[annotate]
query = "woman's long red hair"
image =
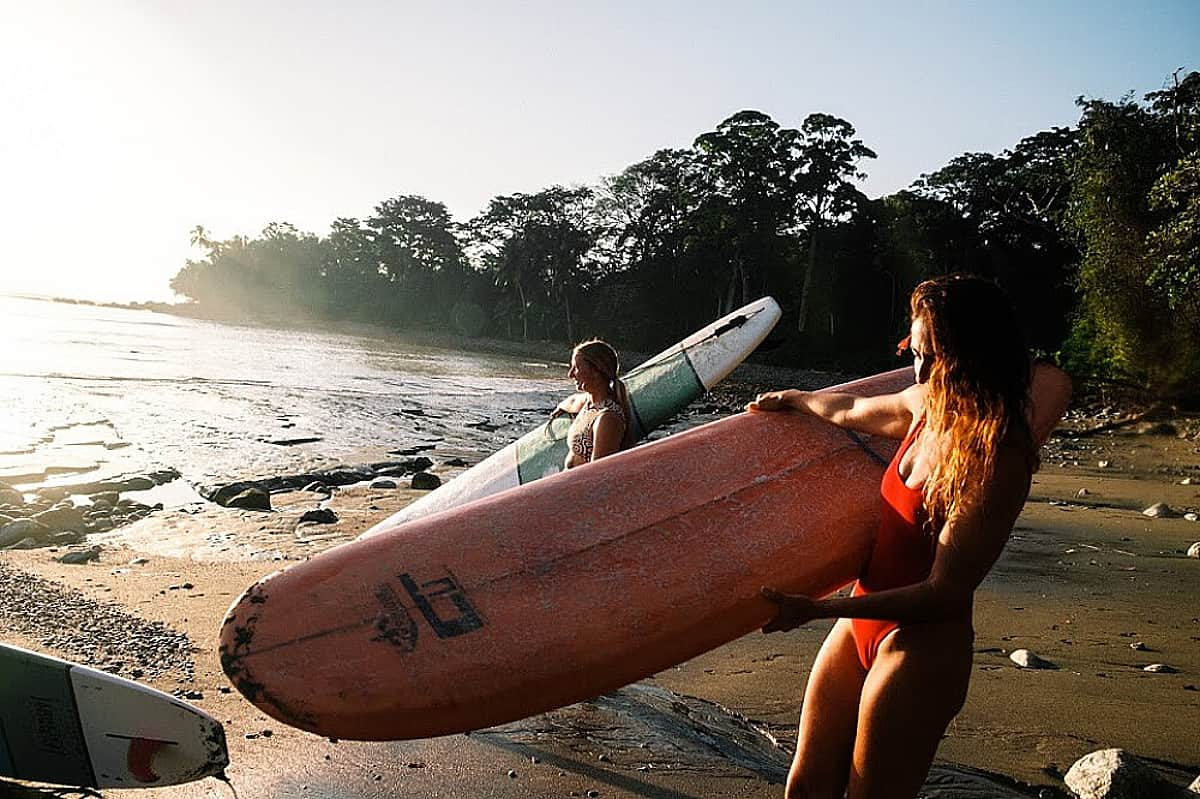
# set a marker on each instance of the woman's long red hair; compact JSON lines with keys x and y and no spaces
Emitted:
{"x":978,"y":388}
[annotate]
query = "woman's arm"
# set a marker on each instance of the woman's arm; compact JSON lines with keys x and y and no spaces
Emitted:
{"x":607,"y":432}
{"x":967,"y":547}
{"x":572,"y":404}
{"x":889,"y":415}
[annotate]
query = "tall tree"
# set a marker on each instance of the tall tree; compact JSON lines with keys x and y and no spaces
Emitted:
{"x":1126,"y":324}
{"x":827,"y":166}
{"x":749,"y":160}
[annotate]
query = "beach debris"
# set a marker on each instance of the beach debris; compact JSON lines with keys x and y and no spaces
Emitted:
{"x":320,"y":516}
{"x":1138,"y":646}
{"x":1187,"y":481}
{"x":1195,"y":786}
{"x":251,"y":499}
{"x":424,"y":481}
{"x":383,"y":484}
{"x":1028,"y":660}
{"x":1116,"y":774}
{"x":1104,"y":464}
{"x":80,"y":556}
{"x":1160,"y":668}
{"x":1159,"y":510}
{"x":1191,"y":516}
{"x":1194,"y":550}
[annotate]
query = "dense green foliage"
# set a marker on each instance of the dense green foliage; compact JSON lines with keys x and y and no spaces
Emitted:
{"x":1093,"y":230}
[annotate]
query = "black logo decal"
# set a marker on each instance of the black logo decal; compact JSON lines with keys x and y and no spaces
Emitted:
{"x":395,"y":625}
{"x":429,"y":597}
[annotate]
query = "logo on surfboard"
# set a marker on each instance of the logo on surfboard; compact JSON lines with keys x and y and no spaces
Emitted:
{"x":442,"y":602}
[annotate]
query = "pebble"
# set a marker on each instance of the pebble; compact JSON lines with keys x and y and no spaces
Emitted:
{"x":100,"y":633}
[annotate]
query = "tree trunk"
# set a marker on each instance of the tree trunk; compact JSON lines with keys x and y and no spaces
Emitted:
{"x":570,"y":323}
{"x":809,"y":269}
{"x":524,"y":313}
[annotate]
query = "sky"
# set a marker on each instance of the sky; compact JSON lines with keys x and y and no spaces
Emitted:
{"x":126,"y":123}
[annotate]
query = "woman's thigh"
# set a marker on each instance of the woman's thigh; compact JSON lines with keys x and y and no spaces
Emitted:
{"x":828,"y":719}
{"x":917,"y":684}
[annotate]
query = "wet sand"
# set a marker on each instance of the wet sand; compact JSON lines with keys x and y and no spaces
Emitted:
{"x":1083,"y":578}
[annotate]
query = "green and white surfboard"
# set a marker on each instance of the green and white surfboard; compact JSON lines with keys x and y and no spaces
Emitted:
{"x":67,"y":724}
{"x":658,"y":389}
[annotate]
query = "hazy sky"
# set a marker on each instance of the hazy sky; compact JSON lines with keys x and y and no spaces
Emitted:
{"x":125,"y":123}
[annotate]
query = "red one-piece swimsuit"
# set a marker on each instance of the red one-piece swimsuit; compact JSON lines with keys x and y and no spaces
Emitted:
{"x":902,"y":553}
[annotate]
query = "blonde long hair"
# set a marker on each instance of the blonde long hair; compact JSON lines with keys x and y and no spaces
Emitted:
{"x":603,"y":358}
{"x":978,"y":388}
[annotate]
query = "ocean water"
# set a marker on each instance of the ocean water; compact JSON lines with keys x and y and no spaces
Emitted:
{"x":90,"y":393}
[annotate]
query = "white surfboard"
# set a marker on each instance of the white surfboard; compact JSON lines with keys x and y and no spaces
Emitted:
{"x":67,"y":724}
{"x":658,"y":389}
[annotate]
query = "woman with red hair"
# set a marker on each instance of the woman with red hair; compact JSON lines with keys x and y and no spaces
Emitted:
{"x":894,"y":669}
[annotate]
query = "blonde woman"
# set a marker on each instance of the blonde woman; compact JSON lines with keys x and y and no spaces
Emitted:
{"x":603,"y":416}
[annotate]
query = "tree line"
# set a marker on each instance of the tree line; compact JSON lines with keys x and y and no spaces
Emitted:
{"x":1094,"y":231}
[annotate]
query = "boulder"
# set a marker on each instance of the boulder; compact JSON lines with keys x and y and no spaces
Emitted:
{"x":1028,"y":660}
{"x":80,"y":556}
{"x":1116,"y":774}
{"x":1159,"y":510}
{"x":64,"y":517}
{"x":424,"y":481}
{"x":14,"y":531}
{"x":251,"y":499}
{"x":53,"y":493}
{"x":320,"y":516}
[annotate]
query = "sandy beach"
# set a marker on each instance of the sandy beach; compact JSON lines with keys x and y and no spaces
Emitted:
{"x":1088,"y":582}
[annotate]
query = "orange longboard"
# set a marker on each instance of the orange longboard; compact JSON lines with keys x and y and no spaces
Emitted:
{"x":562,"y":589}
